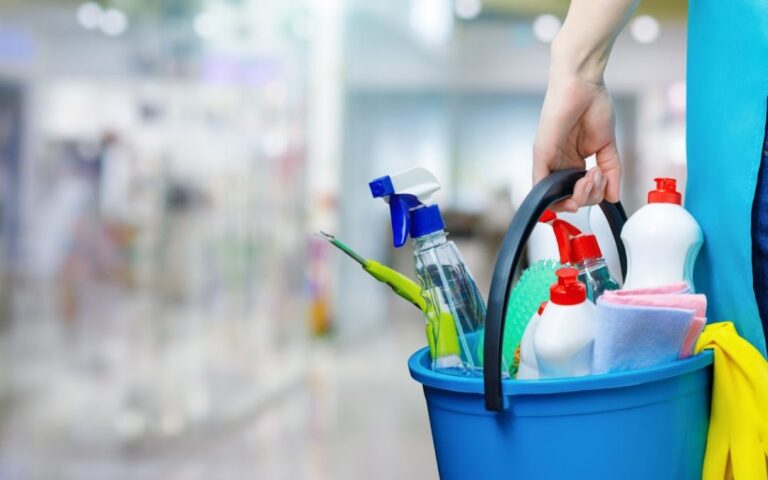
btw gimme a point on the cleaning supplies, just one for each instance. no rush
(528, 367)
(587, 258)
(446, 351)
(533, 288)
(662, 240)
(442, 274)
(737, 441)
(564, 337)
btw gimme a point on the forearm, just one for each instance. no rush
(584, 43)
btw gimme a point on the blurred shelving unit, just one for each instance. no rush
(161, 292)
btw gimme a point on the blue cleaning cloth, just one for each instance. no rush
(628, 337)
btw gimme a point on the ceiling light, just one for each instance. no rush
(545, 27)
(432, 20)
(114, 22)
(645, 29)
(467, 9)
(89, 15)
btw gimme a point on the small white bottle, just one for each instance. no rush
(528, 369)
(662, 240)
(566, 333)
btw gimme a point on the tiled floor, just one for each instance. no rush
(350, 412)
(353, 421)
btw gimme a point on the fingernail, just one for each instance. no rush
(598, 178)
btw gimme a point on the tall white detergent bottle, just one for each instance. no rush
(565, 336)
(662, 240)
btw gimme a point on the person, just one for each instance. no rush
(727, 183)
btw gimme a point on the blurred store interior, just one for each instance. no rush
(166, 311)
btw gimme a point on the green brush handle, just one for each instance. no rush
(448, 342)
(399, 283)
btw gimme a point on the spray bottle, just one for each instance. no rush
(587, 258)
(582, 251)
(442, 274)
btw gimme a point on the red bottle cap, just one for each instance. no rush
(568, 290)
(666, 192)
(547, 216)
(585, 247)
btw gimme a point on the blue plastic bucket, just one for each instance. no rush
(648, 424)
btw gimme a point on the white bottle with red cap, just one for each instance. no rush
(662, 240)
(566, 332)
(528, 368)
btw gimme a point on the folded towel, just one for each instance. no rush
(628, 337)
(685, 301)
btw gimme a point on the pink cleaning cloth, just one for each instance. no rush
(672, 296)
(697, 326)
(675, 288)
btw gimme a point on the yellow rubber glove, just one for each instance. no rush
(737, 442)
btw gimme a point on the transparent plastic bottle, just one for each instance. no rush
(587, 258)
(447, 283)
(455, 309)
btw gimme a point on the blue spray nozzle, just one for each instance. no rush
(381, 187)
(411, 207)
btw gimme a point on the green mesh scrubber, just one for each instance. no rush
(530, 291)
(524, 300)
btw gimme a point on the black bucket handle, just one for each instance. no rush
(555, 187)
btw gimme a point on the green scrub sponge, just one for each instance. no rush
(524, 300)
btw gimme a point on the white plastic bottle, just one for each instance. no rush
(528, 369)
(566, 333)
(662, 240)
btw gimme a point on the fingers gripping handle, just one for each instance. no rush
(557, 186)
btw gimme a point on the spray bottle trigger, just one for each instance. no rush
(401, 219)
(563, 232)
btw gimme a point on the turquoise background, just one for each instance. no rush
(727, 90)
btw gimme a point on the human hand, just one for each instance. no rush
(577, 121)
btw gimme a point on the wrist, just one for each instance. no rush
(568, 57)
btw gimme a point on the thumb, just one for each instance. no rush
(610, 166)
